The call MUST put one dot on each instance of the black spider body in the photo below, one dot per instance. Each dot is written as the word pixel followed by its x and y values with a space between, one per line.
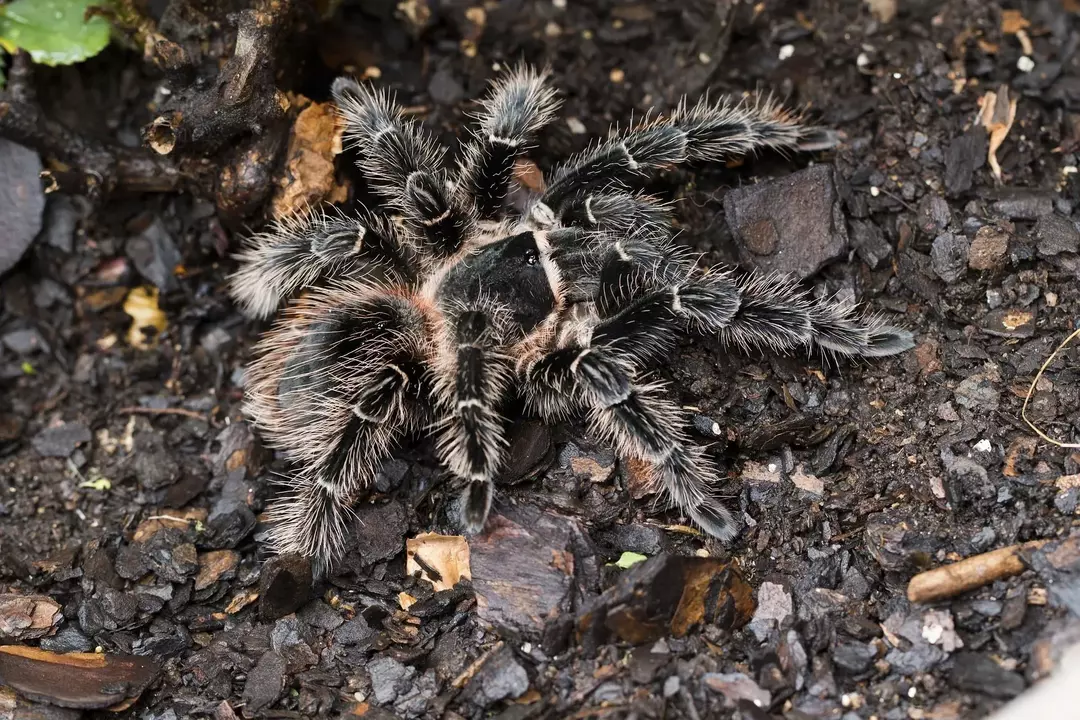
pixel 432 319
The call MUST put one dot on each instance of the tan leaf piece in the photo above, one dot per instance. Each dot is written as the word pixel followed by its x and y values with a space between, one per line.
pixel 442 560
pixel 997 115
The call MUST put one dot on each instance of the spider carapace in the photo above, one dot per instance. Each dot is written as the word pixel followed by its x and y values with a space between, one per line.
pixel 430 316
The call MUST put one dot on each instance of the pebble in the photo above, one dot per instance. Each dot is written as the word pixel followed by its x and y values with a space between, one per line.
pixel 62 216
pixel 1056 234
pixel 870 243
pixel 1009 323
pixel 988 248
pixel 61 440
pixel 153 253
pixel 264 682
pixel 22 201
pixel 965 155
pixel 775 604
pixel 791 225
pixel 27 341
pixel 67 639
pixel 949 256
pixel 501 677
pixel 854 658
pixel 284 586
pixel 933 215
pixel 977 392
pixel 389 678
pixel 978 673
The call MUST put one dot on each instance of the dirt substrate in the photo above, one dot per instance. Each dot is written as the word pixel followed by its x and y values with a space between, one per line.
pixel 131 489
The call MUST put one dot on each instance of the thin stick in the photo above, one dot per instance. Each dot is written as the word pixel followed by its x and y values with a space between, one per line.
pixel 970 573
pixel 1031 391
pixel 163 411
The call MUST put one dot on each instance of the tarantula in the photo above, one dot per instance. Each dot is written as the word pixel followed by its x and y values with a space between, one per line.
pixel 431 318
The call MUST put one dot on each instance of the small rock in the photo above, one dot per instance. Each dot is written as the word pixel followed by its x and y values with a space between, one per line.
pixel 977 392
pixel 775 604
pixel 62 215
pixel 61 440
pixel 353 632
pixel 963 157
pixel 988 249
pixel 792 225
pixel 1023 204
pixel 379 531
pixel 389 678
pixel 1009 323
pixel 67 639
pixel 1055 235
pixel 265 682
pixel 854 658
pixel 933 215
pixel 320 615
pixel 27 341
pixel 978 673
pixel 284 586
pixel 949 256
pixel 737 687
pixel 154 255
pixel 22 201
pixel 499 678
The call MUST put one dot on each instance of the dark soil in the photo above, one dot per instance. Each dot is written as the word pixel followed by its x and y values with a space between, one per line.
pixel 851 477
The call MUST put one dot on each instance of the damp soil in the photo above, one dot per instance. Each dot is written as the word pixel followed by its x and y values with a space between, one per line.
pixel 130 472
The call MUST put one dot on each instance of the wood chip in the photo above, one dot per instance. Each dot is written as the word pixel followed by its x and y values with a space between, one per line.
pixel 28 617
pixel 85 681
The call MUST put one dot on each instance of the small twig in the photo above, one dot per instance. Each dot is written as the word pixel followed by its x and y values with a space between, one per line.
pixel 1031 391
pixel 104 168
pixel 163 411
pixel 969 573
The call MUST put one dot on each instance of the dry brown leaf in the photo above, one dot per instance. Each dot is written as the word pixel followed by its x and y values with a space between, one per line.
pixel 883 10
pixel 1013 21
pixel 179 519
pixel 142 305
pixel 442 560
pixel 241 601
pixel 997 115
pixel 309 178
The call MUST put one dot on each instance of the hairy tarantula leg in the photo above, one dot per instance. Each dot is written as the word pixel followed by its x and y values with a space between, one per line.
pixel 300 251
pixel 621 213
pixel 337 381
pixel 774 313
pixel 473 379
pixel 642 310
pixel 641 422
pixel 519 104
pixel 404 164
pixel 710 131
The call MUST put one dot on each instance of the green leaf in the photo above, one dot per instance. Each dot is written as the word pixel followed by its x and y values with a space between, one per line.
pixel 28 369
pixel 100 484
pixel 53 31
pixel 629 559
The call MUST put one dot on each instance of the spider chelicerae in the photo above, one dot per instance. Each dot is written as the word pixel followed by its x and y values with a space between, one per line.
pixel 433 315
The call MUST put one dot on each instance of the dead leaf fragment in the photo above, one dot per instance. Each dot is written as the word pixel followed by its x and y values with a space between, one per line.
pixel 27 617
pixel 442 560
pixel 807 482
pixel 308 179
pixel 1013 21
pixel 179 519
pixel 883 10
pixel 142 305
pixel 85 681
pixel 997 115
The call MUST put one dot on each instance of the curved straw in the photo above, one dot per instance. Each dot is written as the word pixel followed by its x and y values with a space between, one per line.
pixel 1031 390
